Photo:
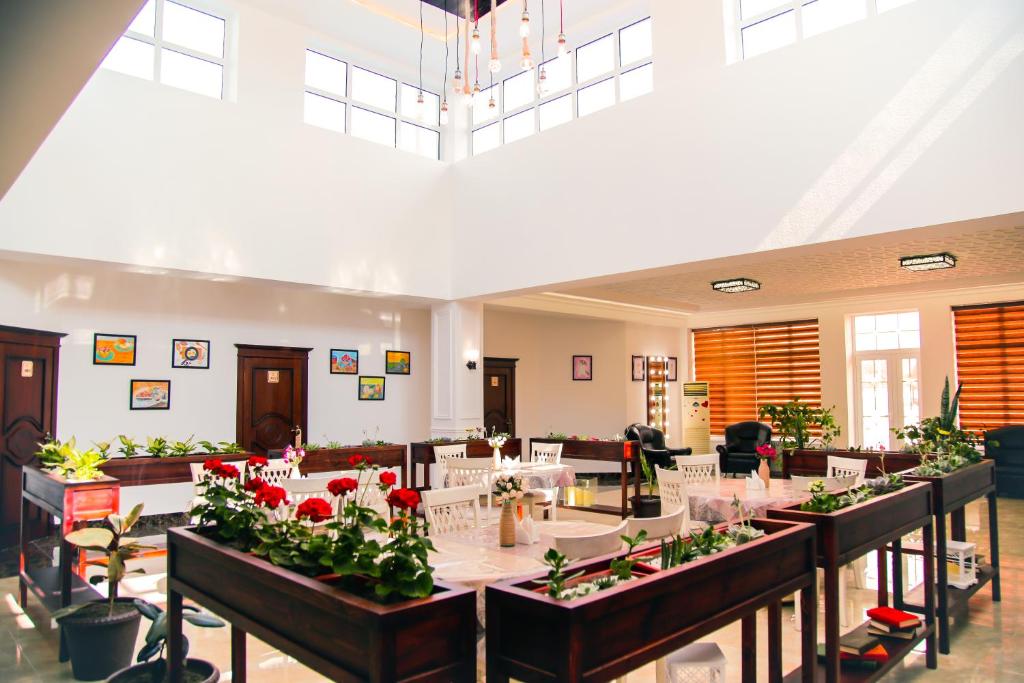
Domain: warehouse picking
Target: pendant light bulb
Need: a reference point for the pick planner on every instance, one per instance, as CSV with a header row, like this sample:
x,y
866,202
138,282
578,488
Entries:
x,y
563,45
492,103
474,43
421,106
542,81
524,25
476,88
444,113
494,66
457,81
527,62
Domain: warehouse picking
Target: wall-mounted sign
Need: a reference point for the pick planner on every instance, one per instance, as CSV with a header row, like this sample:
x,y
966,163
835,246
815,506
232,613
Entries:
x,y
494,380
27,368
273,376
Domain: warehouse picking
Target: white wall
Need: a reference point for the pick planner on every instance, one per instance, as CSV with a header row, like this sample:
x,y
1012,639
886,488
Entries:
x,y
906,119
93,400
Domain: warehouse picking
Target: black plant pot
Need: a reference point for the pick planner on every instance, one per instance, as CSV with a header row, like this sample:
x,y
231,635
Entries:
x,y
196,670
101,644
646,506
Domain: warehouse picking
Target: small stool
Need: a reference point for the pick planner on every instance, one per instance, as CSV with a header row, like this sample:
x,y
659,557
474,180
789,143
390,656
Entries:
x,y
695,663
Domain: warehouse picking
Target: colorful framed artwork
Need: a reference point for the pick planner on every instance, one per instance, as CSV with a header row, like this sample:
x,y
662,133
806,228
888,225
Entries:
x,y
344,362
113,349
371,388
190,353
582,368
670,370
397,362
639,369
150,394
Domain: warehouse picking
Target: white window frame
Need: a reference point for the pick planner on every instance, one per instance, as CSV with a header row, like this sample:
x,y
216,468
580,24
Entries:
x,y
573,87
158,42
795,6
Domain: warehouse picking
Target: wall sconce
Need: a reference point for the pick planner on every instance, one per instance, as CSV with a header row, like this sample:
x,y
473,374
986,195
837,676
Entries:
x,y
471,364
471,356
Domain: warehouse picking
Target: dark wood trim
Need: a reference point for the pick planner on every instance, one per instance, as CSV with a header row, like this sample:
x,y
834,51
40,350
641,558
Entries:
x,y
621,452
24,335
988,305
755,326
422,453
509,362
810,462
259,351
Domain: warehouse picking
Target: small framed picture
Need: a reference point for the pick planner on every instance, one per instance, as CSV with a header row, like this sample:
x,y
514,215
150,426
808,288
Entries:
x,y
113,349
582,368
150,394
670,370
190,353
371,388
397,362
639,369
344,362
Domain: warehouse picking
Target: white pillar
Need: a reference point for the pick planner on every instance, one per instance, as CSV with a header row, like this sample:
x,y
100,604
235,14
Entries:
x,y
456,392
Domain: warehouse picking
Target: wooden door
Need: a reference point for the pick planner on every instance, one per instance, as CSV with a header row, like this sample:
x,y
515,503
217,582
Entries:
x,y
28,412
500,394
272,385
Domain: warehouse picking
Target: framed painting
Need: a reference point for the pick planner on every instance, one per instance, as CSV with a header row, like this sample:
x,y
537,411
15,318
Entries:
x,y
150,394
670,370
397,362
113,349
344,362
582,368
371,388
190,353
639,369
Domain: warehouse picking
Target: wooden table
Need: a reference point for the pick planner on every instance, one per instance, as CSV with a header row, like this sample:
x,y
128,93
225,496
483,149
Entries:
x,y
849,533
712,502
952,493
622,452
75,503
422,453
811,462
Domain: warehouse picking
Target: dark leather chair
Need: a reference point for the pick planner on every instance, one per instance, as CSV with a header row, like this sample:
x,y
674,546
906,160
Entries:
x,y
652,444
738,455
1009,457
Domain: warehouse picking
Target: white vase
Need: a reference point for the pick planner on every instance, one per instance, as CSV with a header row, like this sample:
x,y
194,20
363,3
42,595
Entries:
x,y
295,474
497,457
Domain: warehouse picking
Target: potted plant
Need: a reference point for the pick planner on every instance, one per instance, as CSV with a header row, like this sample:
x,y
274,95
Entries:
x,y
69,462
152,663
562,587
101,634
649,505
943,446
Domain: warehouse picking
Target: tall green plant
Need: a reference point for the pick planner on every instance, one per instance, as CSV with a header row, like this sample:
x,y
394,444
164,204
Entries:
x,y
648,473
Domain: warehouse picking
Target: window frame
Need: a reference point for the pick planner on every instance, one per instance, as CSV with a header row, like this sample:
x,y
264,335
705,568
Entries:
x,y
739,24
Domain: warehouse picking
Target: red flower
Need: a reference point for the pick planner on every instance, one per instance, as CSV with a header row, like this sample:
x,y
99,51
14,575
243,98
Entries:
x,y
271,496
254,484
257,461
316,509
226,471
404,499
212,463
357,460
339,487
766,451
388,478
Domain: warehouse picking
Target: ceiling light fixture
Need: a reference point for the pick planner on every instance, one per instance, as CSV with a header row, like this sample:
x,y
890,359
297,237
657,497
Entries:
x,y
739,284
563,45
542,73
475,41
527,61
421,109
524,24
442,116
928,261
457,76
495,64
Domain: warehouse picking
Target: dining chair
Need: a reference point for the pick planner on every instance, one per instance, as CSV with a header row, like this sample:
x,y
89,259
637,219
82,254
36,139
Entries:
x,y
199,477
660,527
585,547
370,495
274,472
547,454
699,469
452,510
300,490
442,454
477,472
672,489
846,467
696,662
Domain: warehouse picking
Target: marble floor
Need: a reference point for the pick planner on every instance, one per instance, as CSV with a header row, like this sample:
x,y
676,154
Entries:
x,y
986,648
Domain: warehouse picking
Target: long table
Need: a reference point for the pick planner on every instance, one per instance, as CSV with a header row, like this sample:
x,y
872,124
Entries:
x,y
622,452
422,453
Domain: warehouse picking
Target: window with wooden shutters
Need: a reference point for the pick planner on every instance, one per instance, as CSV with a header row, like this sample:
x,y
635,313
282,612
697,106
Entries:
x,y
990,364
748,366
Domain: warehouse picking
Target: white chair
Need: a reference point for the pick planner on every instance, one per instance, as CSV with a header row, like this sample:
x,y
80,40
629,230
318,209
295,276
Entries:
x,y
300,490
548,454
585,547
831,483
199,477
274,472
442,454
370,494
477,472
659,527
672,489
846,467
697,662
452,510
699,469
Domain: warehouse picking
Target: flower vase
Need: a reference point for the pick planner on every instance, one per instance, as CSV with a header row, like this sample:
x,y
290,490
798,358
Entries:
x,y
764,471
295,474
497,457
507,528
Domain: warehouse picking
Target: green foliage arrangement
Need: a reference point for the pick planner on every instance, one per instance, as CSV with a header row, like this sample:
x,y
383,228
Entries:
x,y
157,446
557,578
943,446
156,636
128,447
180,449
622,569
70,462
556,436
794,420
826,502
648,473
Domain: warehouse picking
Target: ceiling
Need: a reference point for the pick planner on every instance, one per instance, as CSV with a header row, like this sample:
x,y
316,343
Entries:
x,y
836,270
457,7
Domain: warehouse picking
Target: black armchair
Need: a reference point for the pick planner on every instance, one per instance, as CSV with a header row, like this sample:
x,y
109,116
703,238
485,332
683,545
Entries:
x,y
1009,457
652,444
738,455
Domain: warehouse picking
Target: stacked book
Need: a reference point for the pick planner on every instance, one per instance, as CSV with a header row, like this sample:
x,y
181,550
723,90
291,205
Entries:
x,y
892,623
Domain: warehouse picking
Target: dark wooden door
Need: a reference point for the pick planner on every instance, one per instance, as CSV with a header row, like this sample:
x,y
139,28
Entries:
x,y
28,412
271,396
500,394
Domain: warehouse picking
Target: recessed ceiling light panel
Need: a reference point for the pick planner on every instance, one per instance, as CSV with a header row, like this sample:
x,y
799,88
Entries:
x,y
928,261
740,284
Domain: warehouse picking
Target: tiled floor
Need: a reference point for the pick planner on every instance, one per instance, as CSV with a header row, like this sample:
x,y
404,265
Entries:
x,y
990,647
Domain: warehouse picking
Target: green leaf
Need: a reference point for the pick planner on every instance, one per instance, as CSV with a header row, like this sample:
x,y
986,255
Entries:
x,y
148,609
158,631
204,620
92,538
132,518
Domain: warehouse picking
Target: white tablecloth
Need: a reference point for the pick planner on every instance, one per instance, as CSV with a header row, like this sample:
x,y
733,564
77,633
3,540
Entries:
x,y
713,502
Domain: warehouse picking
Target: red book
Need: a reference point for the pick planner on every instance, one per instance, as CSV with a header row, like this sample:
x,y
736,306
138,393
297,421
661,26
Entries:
x,y
894,617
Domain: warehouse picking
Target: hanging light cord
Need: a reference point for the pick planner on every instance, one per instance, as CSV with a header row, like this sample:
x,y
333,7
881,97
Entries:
x,y
444,82
458,35
421,47
543,33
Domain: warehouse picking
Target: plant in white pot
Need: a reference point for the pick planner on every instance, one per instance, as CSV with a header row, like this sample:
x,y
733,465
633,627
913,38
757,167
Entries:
x,y
101,634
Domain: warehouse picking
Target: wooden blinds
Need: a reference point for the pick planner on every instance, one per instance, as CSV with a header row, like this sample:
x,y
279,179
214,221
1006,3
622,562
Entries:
x,y
990,364
751,365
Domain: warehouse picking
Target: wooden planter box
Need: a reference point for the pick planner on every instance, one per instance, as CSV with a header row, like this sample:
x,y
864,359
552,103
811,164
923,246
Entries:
x,y
951,492
340,635
622,452
422,453
147,470
845,535
807,462
533,637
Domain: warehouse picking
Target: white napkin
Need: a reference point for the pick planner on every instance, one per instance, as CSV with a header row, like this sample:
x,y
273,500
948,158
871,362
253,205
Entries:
x,y
509,462
526,532
754,482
